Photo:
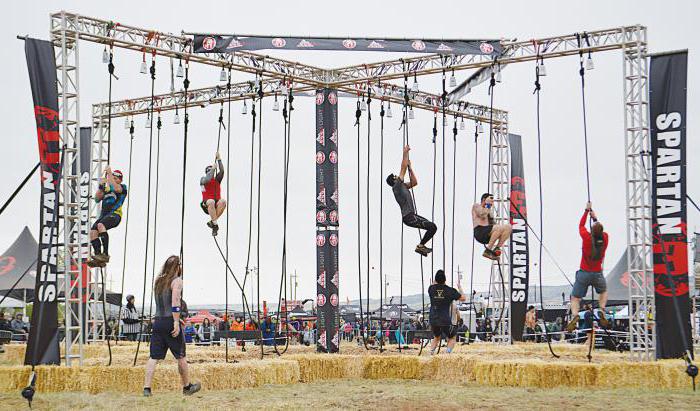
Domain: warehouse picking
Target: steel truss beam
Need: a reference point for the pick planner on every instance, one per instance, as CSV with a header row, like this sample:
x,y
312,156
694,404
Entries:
x,y
71,250
635,78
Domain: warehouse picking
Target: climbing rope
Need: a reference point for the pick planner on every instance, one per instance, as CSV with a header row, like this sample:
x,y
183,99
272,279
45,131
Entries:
x,y
159,124
381,224
148,201
471,275
541,215
358,115
126,222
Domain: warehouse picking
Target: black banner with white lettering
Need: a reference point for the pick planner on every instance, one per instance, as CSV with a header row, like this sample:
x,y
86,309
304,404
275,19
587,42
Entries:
x,y
667,90
326,158
206,43
519,257
328,322
42,346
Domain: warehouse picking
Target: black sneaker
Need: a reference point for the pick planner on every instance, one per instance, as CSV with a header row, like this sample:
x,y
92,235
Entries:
x,y
210,224
147,392
101,258
423,250
215,230
191,389
490,255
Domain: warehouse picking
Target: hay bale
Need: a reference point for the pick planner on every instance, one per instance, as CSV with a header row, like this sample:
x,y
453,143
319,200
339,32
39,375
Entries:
x,y
399,367
535,373
660,374
453,368
14,354
314,367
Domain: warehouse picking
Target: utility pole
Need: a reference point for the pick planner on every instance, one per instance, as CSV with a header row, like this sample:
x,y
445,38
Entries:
x,y
386,290
296,284
459,275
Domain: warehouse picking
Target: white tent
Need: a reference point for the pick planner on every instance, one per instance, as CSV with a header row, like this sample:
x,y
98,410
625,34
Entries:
x,y
11,303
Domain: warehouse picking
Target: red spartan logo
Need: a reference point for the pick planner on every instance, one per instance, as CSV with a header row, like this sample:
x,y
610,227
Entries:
x,y
322,279
334,280
486,48
333,157
320,240
321,137
7,264
333,239
349,44
321,216
320,157
209,43
418,45
332,98
334,300
320,300
333,216
335,339
319,99
279,42
47,132
677,257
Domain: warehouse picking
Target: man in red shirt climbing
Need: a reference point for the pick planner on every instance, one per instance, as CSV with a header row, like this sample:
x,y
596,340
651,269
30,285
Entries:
x,y
212,204
591,270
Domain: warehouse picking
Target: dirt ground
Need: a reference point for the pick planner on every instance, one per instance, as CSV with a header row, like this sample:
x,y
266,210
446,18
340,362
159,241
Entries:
x,y
371,394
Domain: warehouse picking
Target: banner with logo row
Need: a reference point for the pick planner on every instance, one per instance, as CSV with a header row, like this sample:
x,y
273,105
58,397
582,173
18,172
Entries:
x,y
326,158
519,253
206,43
327,276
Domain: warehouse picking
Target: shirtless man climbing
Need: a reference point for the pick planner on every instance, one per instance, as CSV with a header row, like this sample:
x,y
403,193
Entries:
x,y
486,231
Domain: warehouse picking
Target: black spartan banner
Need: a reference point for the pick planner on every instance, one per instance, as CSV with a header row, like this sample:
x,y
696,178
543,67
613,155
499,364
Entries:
x,y
327,273
42,347
328,323
667,90
326,158
205,43
519,257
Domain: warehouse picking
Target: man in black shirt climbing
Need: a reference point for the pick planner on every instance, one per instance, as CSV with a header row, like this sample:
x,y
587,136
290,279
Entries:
x,y
403,197
441,298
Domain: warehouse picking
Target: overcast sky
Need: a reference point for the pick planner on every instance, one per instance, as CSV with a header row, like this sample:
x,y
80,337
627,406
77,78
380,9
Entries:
x,y
670,28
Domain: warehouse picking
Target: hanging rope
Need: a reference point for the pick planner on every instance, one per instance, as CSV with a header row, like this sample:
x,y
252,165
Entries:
x,y
257,228
148,201
19,188
283,278
126,223
471,275
159,124
228,197
253,115
444,139
367,210
541,234
110,74
454,193
381,224
104,314
186,84
432,215
358,115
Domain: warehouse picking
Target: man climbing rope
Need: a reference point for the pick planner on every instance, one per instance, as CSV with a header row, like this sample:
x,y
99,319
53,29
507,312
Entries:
x,y
111,193
212,204
441,298
591,270
486,231
405,201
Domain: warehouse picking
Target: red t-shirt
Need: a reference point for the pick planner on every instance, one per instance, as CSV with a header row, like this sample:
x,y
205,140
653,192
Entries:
x,y
211,190
588,264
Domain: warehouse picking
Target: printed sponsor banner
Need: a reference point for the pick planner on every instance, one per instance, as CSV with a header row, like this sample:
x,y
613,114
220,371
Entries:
x,y
519,256
327,288
206,43
667,87
326,158
42,346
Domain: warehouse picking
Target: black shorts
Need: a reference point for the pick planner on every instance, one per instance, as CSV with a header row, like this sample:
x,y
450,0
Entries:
x,y
203,204
449,331
109,221
162,340
482,233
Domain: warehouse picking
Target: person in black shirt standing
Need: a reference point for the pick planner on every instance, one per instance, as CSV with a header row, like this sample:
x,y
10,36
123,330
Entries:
x,y
405,201
441,297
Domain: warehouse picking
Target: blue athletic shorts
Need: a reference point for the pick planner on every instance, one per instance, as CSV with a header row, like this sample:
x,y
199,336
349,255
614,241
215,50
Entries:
x,y
585,279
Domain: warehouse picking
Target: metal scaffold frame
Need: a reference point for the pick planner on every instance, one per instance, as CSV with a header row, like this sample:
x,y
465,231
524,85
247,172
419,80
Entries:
x,y
67,60
68,28
635,66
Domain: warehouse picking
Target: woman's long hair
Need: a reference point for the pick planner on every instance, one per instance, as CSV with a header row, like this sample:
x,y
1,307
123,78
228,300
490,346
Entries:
x,y
170,270
597,242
